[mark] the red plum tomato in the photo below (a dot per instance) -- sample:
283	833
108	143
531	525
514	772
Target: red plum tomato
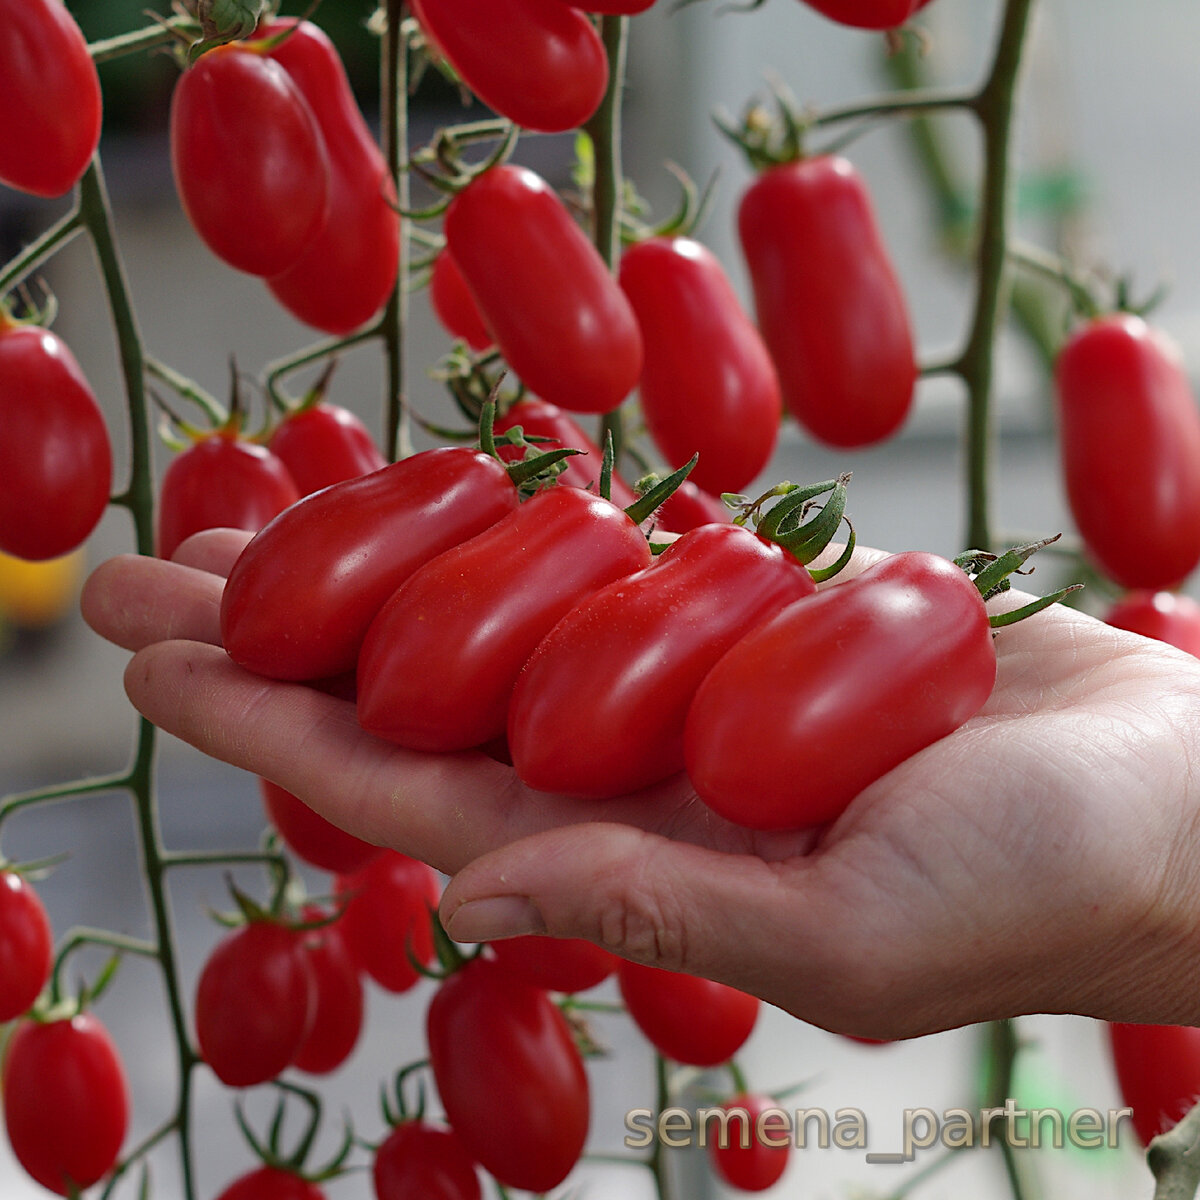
454	306
1158	1073
556	964
1169	617
868	14
425	1161
310	836
749	1147
26	946
338	1000
271	1183
322	444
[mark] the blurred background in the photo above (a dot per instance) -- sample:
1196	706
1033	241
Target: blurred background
1109	173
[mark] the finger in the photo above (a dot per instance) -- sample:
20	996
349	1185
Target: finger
135	601
213	550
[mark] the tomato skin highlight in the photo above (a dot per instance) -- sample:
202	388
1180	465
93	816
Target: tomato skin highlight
50	97
453	304
55	454
249	161
418	1159
745	1160
657	634
557	315
708	385
509	1074
348	270
1169	617
835	690
1158	1073
26	946
556	964
1129	440
868	14
537	62
310	836
301	595
220	481
685	1018
66	1101
271	1183
829	303
439	662
324	444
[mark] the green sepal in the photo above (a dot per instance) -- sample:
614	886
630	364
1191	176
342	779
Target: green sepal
662	491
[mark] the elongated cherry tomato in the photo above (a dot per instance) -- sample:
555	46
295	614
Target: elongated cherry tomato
557	315
348	270
271	1183
836	690
26	946
1158	1072
688	506
868	14
418	1159
537	62
249	160
538	418
221	480
686	1018
49	95
750	1147
254	1003
509	1075
453	304
1169	617
338	1000
386	918
301	595
1129	438
55	454
323	444
613	7
438	664
708	385
829	304
66	1101
309	836
658	634
556	964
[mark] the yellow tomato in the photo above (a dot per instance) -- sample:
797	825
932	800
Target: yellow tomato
34	595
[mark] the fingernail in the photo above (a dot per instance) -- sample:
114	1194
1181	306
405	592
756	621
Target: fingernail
494	917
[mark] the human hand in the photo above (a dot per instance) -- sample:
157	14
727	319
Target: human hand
1042	858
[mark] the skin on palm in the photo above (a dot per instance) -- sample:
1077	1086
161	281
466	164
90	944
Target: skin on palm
1040	859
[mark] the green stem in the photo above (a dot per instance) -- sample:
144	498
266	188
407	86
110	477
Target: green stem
658	1161
222	858
276	371
32	257
1001	1046
1173	1159
17	801
161	33
896	104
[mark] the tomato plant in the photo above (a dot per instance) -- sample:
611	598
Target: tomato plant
271	1183
55	455
26	946
1158	1072
828	300
284	615
310	836
1129	440
836	690
453	304
50	97
254	1003
509	1075
338	1001
685	1018
556	964
322	444
439	663
751	1150
708	385
1169	617
249	161
66	1101
425	1160
558	316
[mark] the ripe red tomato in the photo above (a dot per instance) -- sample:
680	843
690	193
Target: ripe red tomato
537	62
338	1000
686	1018
438	665
836	690
557	315
751	1152
26	946
66	1101
322	444
868	14
55	456
50	97
249	161
829	304
309	836
1169	617
613	7
254	1003
658	634
509	1075
1158	1072
220	480
387	917
301	595
708	385
271	1183
688	506
348	270
1129	438
453	304
556	964
418	1159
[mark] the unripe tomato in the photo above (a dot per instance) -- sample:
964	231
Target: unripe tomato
829	304
55	455
1169	617
1129	438
26	946
37	595
49	95
557	315
322	444
249	160
1158	1072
